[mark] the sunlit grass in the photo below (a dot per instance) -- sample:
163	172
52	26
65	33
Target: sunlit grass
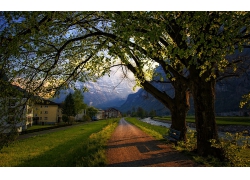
64	148
155	131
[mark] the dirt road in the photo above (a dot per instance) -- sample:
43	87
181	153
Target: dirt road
131	147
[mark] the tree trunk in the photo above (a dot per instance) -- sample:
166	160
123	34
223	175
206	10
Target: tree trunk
204	97
178	118
178	106
179	112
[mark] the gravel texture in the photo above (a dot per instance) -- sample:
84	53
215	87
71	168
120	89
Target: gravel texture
131	147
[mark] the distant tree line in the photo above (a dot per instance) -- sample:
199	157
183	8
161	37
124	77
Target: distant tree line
140	112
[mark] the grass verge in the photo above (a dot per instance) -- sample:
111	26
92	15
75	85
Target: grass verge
80	145
155	131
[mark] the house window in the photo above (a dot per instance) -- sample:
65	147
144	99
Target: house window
40	118
41	106
46	112
46	106
45	118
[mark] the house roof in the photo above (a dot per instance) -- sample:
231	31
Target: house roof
46	102
112	109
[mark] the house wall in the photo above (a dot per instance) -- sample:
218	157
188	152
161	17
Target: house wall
15	109
79	116
47	114
100	114
112	113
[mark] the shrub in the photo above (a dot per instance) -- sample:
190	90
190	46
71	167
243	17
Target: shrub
190	144
65	118
231	146
86	118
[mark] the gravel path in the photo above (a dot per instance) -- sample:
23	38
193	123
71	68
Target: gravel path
131	147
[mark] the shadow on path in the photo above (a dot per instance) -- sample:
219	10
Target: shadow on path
131	147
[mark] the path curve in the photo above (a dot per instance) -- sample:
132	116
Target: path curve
131	147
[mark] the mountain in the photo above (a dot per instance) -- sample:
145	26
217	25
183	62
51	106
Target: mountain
144	100
106	92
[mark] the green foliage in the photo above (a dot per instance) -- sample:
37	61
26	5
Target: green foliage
190	144
7	138
91	111
140	112
78	101
245	101
86	118
69	106
232	145
152	113
65	118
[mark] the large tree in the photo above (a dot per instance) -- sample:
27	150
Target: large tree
194	41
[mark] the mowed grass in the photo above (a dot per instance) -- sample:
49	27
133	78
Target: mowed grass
76	146
245	121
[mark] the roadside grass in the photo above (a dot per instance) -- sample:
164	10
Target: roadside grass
82	145
219	120
155	131
241	157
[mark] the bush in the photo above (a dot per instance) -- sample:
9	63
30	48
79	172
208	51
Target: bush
86	118
190	144
65	118
71	119
230	145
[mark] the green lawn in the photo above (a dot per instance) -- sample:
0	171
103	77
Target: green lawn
76	146
219	120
